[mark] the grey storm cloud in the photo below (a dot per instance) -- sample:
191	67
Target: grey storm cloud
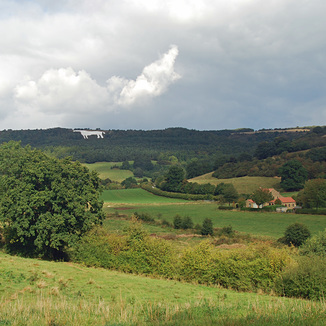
110	64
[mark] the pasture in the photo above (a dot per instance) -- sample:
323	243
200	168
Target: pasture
104	170
35	293
256	223
135	196
244	185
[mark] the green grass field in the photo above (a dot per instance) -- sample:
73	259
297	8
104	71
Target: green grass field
135	196
35	293
256	223
104	170
244	185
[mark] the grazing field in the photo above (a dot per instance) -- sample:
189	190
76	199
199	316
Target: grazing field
256	223
104	170
35	293
244	185
135	196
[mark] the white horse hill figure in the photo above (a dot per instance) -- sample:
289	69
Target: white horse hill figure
86	133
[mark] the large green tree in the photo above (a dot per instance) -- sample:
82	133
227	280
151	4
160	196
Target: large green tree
46	204
314	194
227	191
173	179
261	196
293	175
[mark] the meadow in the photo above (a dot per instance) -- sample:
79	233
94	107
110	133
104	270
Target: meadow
244	185
135	196
104	170
35	292
256	223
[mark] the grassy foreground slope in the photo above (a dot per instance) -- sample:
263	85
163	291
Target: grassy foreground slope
35	292
244	185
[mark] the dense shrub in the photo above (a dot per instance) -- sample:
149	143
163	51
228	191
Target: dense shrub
177	222
207	227
136	252
248	269
187	223
99	249
146	255
311	211
244	269
315	245
296	234
196	263
226	230
144	217
304	279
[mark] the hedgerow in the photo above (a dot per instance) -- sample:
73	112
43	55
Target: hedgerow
178	195
304	279
244	269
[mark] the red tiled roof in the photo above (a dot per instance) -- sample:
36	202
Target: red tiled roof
285	200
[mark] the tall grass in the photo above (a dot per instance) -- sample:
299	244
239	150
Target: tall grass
49	310
35	293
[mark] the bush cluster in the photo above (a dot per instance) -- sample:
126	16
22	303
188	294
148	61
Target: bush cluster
144	217
184	223
315	245
305	279
245	269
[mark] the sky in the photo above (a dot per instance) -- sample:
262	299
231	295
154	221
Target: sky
156	64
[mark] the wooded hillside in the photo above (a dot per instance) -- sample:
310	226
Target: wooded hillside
185	144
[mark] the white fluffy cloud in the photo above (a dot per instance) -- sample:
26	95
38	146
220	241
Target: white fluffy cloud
153	81
243	64
60	91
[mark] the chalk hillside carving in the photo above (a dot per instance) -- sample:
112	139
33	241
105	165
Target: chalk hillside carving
86	133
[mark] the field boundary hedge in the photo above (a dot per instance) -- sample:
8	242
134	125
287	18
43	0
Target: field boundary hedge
176	195
311	211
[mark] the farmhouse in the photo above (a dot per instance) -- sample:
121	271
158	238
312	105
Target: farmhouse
287	202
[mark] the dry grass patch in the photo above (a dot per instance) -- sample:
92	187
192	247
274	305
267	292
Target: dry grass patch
244	185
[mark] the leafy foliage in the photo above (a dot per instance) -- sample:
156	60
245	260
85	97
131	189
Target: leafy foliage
173	179
246	269
304	279
315	245
261	196
187	223
293	175
129	183
46	204
313	194
207	227
227	191
177	222
296	234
